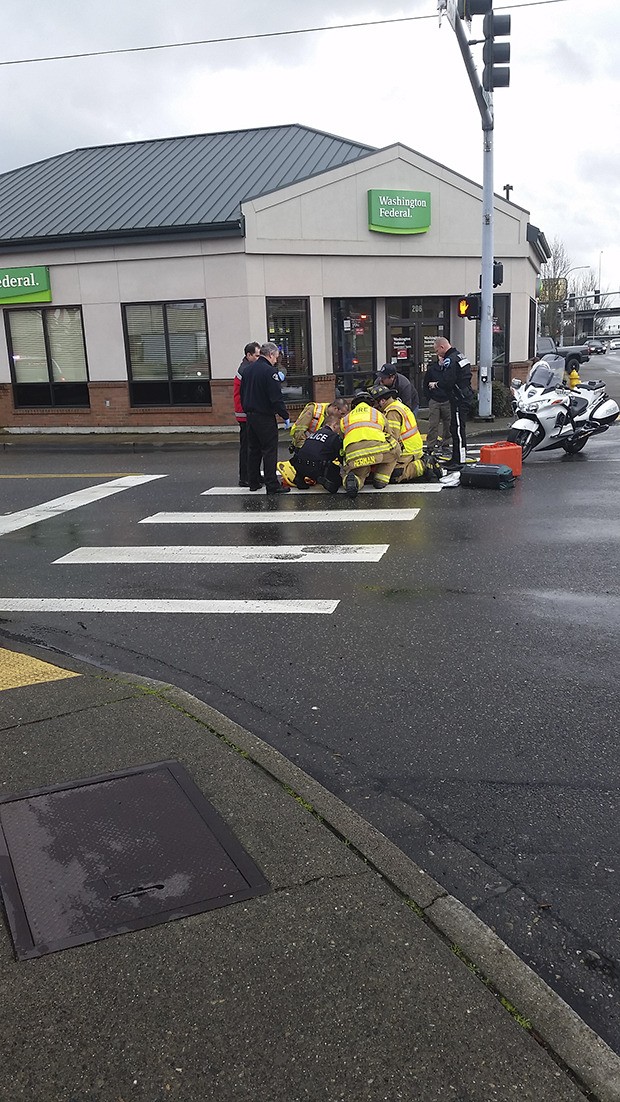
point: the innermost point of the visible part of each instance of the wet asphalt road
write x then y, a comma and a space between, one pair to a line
463, 696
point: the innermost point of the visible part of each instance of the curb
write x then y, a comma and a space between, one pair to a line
583, 1056
576, 1047
152, 441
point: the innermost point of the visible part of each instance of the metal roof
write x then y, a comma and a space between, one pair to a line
166, 185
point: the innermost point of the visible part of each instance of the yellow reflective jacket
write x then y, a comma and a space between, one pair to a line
310, 419
404, 426
367, 425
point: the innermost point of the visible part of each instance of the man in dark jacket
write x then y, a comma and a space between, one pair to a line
439, 410
250, 356
455, 381
393, 380
261, 400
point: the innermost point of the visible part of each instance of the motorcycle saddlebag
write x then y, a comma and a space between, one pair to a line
490, 476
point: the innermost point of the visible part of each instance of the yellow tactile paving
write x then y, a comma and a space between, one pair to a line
17, 670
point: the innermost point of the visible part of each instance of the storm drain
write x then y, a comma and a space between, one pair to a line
115, 853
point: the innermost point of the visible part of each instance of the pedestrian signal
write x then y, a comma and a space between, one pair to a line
469, 307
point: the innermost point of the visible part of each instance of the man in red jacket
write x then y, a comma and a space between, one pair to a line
250, 356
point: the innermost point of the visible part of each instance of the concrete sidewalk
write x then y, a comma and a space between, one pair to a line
355, 977
136, 442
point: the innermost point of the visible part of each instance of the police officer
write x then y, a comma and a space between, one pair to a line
318, 458
261, 399
454, 379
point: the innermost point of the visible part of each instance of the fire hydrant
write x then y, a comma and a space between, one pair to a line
573, 379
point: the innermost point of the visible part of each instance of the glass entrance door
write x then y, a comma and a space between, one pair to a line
412, 326
410, 347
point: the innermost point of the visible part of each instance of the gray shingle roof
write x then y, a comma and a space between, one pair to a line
169, 184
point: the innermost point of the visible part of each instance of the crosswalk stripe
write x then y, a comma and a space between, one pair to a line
14, 521
394, 488
318, 516
230, 555
78, 604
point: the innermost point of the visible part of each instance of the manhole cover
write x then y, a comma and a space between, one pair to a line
106, 855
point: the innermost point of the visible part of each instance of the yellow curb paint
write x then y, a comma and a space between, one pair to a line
17, 670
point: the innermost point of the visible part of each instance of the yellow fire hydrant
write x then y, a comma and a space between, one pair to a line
573, 379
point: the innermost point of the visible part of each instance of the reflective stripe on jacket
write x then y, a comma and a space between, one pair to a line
366, 425
405, 426
310, 419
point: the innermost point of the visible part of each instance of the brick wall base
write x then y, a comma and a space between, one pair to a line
109, 408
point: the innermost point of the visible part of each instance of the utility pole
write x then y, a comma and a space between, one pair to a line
495, 75
507, 188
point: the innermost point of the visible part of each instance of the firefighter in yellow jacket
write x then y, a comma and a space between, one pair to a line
369, 446
312, 417
403, 426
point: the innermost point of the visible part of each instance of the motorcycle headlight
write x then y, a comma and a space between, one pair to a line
533, 406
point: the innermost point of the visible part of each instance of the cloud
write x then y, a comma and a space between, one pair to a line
553, 138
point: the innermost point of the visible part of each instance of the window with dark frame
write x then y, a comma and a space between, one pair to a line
288, 326
47, 357
353, 344
501, 338
167, 349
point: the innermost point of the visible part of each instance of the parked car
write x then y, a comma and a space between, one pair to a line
573, 355
596, 346
614, 345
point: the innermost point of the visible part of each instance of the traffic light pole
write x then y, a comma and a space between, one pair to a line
485, 106
485, 367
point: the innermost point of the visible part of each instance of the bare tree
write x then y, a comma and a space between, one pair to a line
554, 291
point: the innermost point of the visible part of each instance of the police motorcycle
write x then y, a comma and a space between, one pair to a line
549, 415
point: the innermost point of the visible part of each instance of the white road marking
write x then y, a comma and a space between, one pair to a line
52, 604
13, 521
197, 554
314, 517
396, 488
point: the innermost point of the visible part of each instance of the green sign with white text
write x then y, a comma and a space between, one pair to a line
399, 211
25, 285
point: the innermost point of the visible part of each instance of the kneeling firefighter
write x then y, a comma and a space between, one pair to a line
402, 424
369, 446
312, 418
318, 459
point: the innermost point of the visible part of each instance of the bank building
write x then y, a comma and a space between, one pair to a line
132, 275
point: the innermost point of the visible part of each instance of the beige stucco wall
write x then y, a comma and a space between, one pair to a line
309, 240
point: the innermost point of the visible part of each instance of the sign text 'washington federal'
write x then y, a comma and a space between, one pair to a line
399, 211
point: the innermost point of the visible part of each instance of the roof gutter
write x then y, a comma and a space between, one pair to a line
120, 237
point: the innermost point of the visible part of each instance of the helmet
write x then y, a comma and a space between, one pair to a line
379, 391
360, 396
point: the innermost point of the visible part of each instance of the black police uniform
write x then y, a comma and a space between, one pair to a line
315, 459
261, 399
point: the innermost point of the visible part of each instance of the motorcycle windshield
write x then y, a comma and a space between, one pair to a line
545, 375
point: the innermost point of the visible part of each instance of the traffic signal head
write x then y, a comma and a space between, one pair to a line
468, 8
495, 55
468, 306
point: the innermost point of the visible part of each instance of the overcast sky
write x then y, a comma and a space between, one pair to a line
555, 127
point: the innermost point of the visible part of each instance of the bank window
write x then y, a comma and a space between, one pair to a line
353, 344
47, 357
167, 354
501, 338
288, 326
